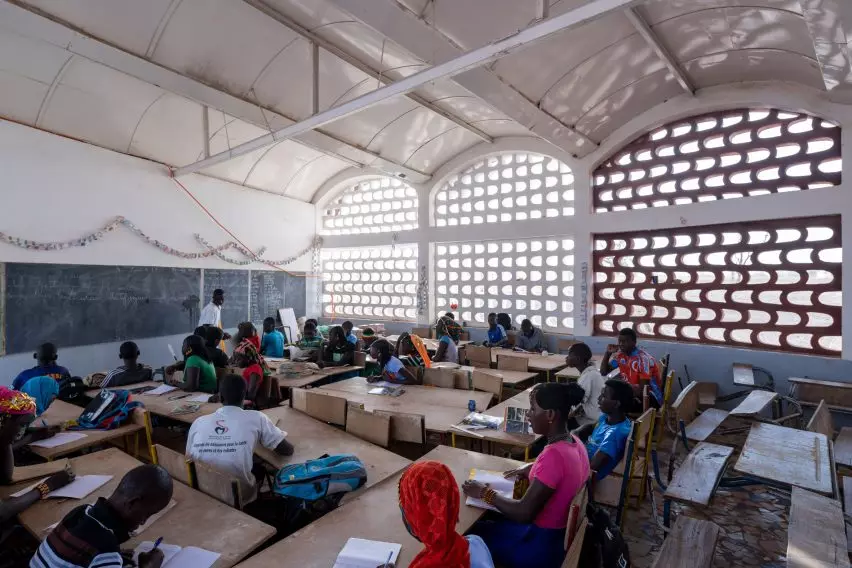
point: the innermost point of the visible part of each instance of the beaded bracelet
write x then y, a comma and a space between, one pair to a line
43, 489
489, 495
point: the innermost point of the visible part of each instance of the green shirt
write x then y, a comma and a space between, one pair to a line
314, 342
207, 377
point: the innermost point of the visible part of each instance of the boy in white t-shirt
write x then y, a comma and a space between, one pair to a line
580, 357
225, 440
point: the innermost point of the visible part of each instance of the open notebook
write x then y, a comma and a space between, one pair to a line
503, 486
360, 553
176, 557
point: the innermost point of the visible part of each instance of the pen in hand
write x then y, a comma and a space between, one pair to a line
157, 544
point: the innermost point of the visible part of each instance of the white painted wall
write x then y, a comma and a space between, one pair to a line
54, 188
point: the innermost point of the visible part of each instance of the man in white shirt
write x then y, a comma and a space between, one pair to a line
225, 440
212, 312
580, 357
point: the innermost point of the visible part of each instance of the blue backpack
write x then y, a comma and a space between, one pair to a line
328, 476
108, 410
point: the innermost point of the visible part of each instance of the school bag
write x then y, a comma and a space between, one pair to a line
604, 545
71, 389
108, 410
320, 478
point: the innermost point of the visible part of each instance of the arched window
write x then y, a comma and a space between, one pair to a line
722, 155
370, 282
506, 187
379, 205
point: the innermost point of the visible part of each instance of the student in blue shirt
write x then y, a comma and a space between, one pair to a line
392, 369
496, 333
47, 367
347, 329
272, 344
606, 440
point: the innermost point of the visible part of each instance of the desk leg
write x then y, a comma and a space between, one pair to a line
527, 454
667, 513
453, 434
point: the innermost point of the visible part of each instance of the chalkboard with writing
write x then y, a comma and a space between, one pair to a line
83, 305
271, 291
235, 284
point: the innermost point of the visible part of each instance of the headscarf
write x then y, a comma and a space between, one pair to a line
250, 349
44, 390
429, 499
454, 330
15, 402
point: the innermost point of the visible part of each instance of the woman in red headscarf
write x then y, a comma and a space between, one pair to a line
429, 500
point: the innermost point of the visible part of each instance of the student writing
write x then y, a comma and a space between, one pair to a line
337, 352
91, 536
530, 339
406, 352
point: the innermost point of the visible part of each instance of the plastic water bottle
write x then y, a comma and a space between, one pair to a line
471, 405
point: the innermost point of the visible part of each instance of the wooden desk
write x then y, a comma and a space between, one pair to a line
816, 535
520, 400
788, 456
430, 344
317, 378
61, 412
197, 520
162, 406
572, 374
537, 362
441, 407
756, 402
312, 438
809, 392
373, 515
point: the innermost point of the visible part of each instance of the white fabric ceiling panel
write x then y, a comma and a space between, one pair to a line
221, 42
170, 131
98, 104
435, 152
612, 69
657, 11
399, 139
754, 65
278, 164
129, 23
25, 81
361, 128
237, 169
305, 182
275, 85
227, 132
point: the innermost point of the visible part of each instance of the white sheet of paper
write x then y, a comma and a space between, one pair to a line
358, 552
59, 439
177, 557
162, 389
80, 488
503, 486
198, 398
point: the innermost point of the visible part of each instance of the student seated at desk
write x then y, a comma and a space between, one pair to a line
240, 429
253, 367
17, 412
199, 374
606, 439
91, 536
429, 502
311, 342
448, 351
368, 336
391, 369
347, 330
272, 343
47, 367
637, 367
530, 339
337, 351
43, 390
497, 336
131, 372
406, 352
454, 330
213, 341
531, 531
580, 357
315, 323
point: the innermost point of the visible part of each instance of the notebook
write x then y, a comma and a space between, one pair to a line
479, 421
59, 439
179, 557
80, 488
360, 553
162, 389
495, 479
516, 421
198, 398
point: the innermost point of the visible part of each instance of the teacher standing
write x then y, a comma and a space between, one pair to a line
212, 312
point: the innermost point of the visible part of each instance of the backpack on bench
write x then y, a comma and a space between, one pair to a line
108, 410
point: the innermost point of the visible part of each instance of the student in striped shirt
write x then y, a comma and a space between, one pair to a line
91, 536
132, 371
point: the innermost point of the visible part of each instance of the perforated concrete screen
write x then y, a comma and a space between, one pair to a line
506, 187
722, 155
526, 278
372, 282
764, 284
380, 205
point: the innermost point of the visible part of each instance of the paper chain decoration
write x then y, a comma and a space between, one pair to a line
211, 250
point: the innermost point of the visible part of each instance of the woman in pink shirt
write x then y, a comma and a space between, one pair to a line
532, 529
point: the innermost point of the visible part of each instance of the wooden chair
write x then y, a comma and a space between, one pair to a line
488, 383
375, 428
576, 530
218, 485
360, 359
406, 427
175, 463
440, 377
323, 407
143, 417
478, 356
821, 421
513, 363
422, 332
665, 407
563, 345
691, 544
611, 489
685, 408
697, 478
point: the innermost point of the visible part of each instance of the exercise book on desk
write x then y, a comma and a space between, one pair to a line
361, 553
179, 557
80, 488
495, 480
162, 389
59, 439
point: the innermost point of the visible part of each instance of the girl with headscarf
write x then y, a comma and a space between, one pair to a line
43, 390
448, 351
429, 501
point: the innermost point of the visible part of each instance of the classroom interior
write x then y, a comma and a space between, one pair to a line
670, 166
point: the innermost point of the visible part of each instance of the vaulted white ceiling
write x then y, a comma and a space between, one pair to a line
136, 77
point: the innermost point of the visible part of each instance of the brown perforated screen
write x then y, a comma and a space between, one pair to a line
766, 284
721, 155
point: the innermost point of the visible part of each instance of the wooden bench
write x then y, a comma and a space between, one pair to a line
691, 544
809, 392
696, 480
685, 408
816, 535
756, 402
